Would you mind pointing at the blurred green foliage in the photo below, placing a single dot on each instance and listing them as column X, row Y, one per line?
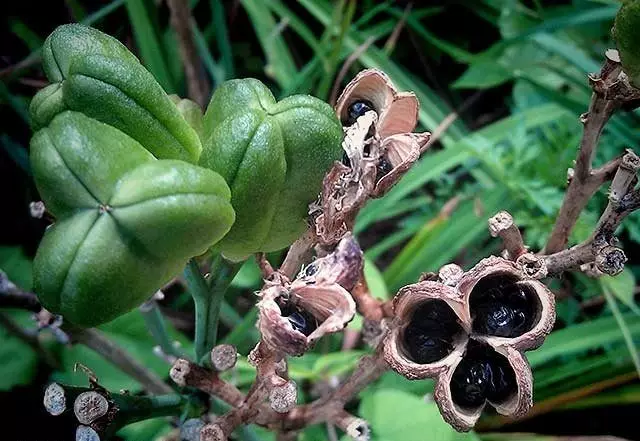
column 533, row 69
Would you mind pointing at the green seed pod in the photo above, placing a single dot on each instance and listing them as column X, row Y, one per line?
column 273, row 155
column 626, row 32
column 191, row 112
column 102, row 79
column 126, row 222
column 46, row 104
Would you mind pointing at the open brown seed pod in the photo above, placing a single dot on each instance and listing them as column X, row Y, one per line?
column 294, row 315
column 484, row 375
column 429, row 331
column 506, row 306
column 397, row 148
column 469, row 331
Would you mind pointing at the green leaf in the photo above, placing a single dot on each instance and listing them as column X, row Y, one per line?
column 622, row 287
column 18, row 362
column 483, row 75
column 395, row 415
column 17, row 267
column 375, row 280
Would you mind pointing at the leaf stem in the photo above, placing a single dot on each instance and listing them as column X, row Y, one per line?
column 208, row 300
column 156, row 325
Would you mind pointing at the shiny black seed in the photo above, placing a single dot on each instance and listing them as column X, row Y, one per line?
column 356, row 110
column 383, row 168
column 310, row 270
column 503, row 308
column 482, row 374
column 431, row 331
column 301, row 320
column 425, row 347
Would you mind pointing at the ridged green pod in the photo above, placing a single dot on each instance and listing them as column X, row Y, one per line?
column 126, row 223
column 626, row 32
column 273, row 155
column 99, row 77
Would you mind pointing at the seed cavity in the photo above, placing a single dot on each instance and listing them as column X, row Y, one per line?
column 356, row 110
column 483, row 374
column 383, row 168
column 502, row 307
column 431, row 332
column 300, row 319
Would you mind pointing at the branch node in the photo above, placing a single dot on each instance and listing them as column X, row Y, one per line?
column 610, row 260
column 533, row 266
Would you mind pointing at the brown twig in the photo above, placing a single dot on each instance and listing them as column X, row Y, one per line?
column 502, row 225
column 96, row 340
column 600, row 247
column 186, row 373
column 181, row 21
column 584, row 180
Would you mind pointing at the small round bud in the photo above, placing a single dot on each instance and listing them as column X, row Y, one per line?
column 89, row 406
column 610, row 260
column 54, row 400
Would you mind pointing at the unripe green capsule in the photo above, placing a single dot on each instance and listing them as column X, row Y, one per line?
column 126, row 222
column 102, row 79
column 626, row 32
column 273, row 155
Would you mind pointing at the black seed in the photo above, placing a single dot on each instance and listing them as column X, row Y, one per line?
column 501, row 307
column 300, row 319
column 345, row 159
column 383, row 168
column 356, row 110
column 431, row 331
column 482, row 374
column 310, row 270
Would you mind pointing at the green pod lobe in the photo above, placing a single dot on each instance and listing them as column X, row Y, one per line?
column 99, row 77
column 126, row 222
column 273, row 155
column 626, row 33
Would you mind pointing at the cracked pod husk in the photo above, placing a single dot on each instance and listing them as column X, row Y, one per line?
column 428, row 330
column 294, row 315
column 526, row 311
column 473, row 328
column 461, row 399
column 395, row 148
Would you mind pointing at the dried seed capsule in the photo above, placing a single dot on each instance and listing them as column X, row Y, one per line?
column 482, row 374
column 431, row 332
column 356, row 110
column 503, row 308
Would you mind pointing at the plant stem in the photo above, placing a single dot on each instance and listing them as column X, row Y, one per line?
column 156, row 325
column 208, row 300
column 132, row 409
column 95, row 340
